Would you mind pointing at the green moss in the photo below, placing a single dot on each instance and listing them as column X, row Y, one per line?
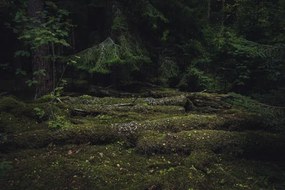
column 271, row 116
column 230, row 143
column 139, row 143
column 70, row 135
column 19, row 109
column 168, row 101
column 209, row 102
column 98, row 167
column 202, row 159
column 11, row 105
column 106, row 167
column 178, row 123
column 186, row 122
column 12, row 124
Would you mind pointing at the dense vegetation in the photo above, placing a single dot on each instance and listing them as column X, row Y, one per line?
column 212, row 45
column 142, row 94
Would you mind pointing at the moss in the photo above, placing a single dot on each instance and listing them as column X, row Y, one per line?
column 84, row 167
column 140, row 143
column 84, row 100
column 271, row 116
column 178, row 123
column 246, row 175
column 163, row 92
column 106, row 167
column 231, row 143
column 208, row 102
column 20, row 109
column 11, row 105
column 202, row 159
column 12, row 124
column 71, row 135
column 168, row 101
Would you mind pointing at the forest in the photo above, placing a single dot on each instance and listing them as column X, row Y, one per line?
column 142, row 94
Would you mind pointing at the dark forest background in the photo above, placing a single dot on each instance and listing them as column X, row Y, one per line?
column 192, row 45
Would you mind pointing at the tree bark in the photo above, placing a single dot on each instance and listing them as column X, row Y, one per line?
column 223, row 13
column 209, row 10
column 39, row 56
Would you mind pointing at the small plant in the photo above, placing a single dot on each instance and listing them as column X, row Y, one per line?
column 57, row 122
column 36, row 75
column 39, row 112
column 21, row 72
column 58, row 91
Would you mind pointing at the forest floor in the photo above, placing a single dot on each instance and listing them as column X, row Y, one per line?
column 162, row 139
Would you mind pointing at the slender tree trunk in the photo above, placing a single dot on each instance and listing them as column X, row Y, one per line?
column 39, row 57
column 209, row 10
column 223, row 13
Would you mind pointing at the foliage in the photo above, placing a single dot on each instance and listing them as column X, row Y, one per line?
column 152, row 14
column 119, row 22
column 36, row 74
column 121, row 50
column 45, row 29
column 40, row 113
column 58, row 122
column 197, row 80
column 59, row 89
column 238, row 43
column 242, row 63
column 168, row 70
column 100, row 58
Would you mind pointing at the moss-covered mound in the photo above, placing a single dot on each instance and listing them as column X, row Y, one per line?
column 160, row 141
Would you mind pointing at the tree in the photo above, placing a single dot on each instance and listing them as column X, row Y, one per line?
column 209, row 9
column 42, row 34
column 39, row 61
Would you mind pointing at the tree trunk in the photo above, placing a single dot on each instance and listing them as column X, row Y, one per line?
column 39, row 57
column 209, row 10
column 223, row 13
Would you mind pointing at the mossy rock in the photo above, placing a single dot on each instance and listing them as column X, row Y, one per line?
column 186, row 122
column 248, row 144
column 168, row 101
column 10, row 123
column 72, row 135
column 19, row 108
column 208, row 102
column 202, row 159
column 140, row 143
column 11, row 105
column 163, row 92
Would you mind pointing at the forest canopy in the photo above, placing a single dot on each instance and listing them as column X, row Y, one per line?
column 213, row 45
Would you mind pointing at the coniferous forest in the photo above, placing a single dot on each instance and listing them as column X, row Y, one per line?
column 142, row 94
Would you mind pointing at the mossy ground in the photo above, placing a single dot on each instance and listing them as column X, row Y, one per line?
column 157, row 142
